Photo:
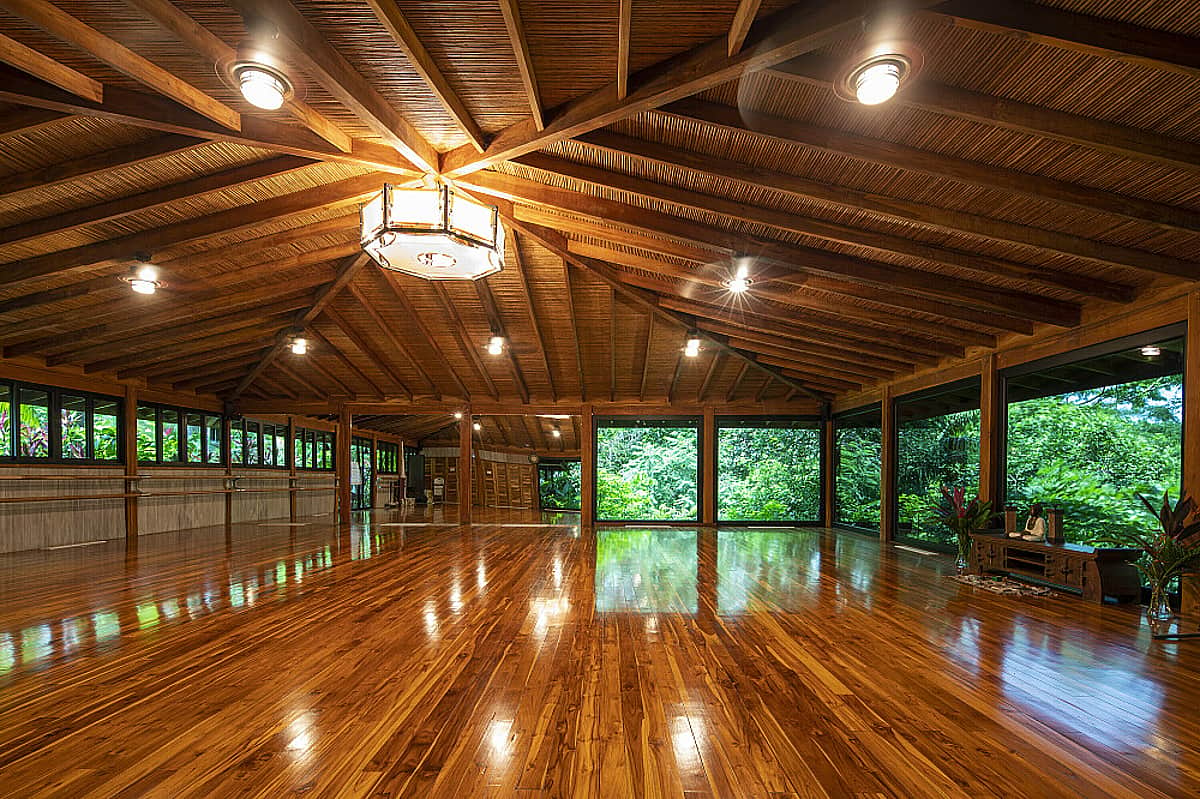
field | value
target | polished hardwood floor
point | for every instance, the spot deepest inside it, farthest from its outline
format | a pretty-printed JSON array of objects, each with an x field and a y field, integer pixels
[{"x": 540, "y": 660}]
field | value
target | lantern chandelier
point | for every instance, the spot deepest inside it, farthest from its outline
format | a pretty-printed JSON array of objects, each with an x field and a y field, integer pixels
[{"x": 433, "y": 232}]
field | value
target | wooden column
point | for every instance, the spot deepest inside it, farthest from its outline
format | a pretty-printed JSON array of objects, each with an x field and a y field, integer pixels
[
  {"x": 887, "y": 478},
  {"x": 291, "y": 465},
  {"x": 708, "y": 462},
  {"x": 342, "y": 464},
  {"x": 374, "y": 470},
  {"x": 227, "y": 462},
  {"x": 991, "y": 433},
  {"x": 129, "y": 444},
  {"x": 466, "y": 480},
  {"x": 1191, "y": 438},
  {"x": 587, "y": 458},
  {"x": 829, "y": 472}
]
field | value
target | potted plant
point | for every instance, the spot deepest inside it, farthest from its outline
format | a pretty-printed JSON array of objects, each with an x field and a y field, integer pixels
[
  {"x": 1171, "y": 553},
  {"x": 963, "y": 518}
]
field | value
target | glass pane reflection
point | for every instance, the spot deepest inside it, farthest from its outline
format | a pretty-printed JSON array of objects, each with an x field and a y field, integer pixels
[{"x": 646, "y": 571}]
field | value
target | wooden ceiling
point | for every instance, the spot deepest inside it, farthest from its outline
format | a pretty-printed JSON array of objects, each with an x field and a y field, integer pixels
[
  {"x": 1041, "y": 169},
  {"x": 522, "y": 433}
]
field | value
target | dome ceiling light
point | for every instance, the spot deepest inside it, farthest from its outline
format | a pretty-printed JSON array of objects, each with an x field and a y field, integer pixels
[
  {"x": 877, "y": 76},
  {"x": 258, "y": 72},
  {"x": 143, "y": 276},
  {"x": 433, "y": 232}
]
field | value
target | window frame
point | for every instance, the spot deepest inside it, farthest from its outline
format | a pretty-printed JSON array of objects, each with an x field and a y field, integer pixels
[
  {"x": 626, "y": 421},
  {"x": 312, "y": 439},
  {"x": 870, "y": 409},
  {"x": 54, "y": 395},
  {"x": 181, "y": 450}
]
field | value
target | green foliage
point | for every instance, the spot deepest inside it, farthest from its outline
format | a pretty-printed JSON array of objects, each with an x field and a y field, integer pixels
[
  {"x": 6, "y": 428},
  {"x": 35, "y": 431},
  {"x": 859, "y": 455},
  {"x": 646, "y": 473},
  {"x": 105, "y": 436},
  {"x": 943, "y": 450},
  {"x": 559, "y": 485},
  {"x": 769, "y": 474},
  {"x": 74, "y": 434},
  {"x": 646, "y": 570}
]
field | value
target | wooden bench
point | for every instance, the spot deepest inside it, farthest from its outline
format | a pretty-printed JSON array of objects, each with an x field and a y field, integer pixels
[{"x": 1096, "y": 572}]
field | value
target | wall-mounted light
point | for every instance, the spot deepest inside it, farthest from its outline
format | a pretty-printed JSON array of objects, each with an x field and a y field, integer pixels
[
  {"x": 495, "y": 345},
  {"x": 478, "y": 427},
  {"x": 143, "y": 276},
  {"x": 692, "y": 348}
]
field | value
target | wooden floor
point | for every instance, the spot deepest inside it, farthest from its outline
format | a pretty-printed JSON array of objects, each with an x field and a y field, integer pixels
[{"x": 533, "y": 661}]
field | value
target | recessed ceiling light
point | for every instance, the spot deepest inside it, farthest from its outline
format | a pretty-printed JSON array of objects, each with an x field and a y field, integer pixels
[
  {"x": 257, "y": 71},
  {"x": 458, "y": 414},
  {"x": 477, "y": 427},
  {"x": 299, "y": 345},
  {"x": 740, "y": 282},
  {"x": 878, "y": 75}
]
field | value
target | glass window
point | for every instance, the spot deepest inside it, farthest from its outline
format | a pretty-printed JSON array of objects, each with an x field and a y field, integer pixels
[
  {"x": 35, "y": 423},
  {"x": 326, "y": 451},
  {"x": 147, "y": 433},
  {"x": 213, "y": 424},
  {"x": 281, "y": 446},
  {"x": 237, "y": 441},
  {"x": 170, "y": 435},
  {"x": 106, "y": 434},
  {"x": 73, "y": 414},
  {"x": 647, "y": 469},
  {"x": 252, "y": 444},
  {"x": 768, "y": 470},
  {"x": 268, "y": 444},
  {"x": 560, "y": 485},
  {"x": 858, "y": 465},
  {"x": 937, "y": 445},
  {"x": 298, "y": 449},
  {"x": 1090, "y": 434},
  {"x": 6, "y": 420},
  {"x": 195, "y": 438}
]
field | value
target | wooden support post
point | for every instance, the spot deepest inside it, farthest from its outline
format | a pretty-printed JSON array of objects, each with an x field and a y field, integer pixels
[
  {"x": 1191, "y": 439},
  {"x": 291, "y": 465},
  {"x": 587, "y": 457},
  {"x": 708, "y": 461},
  {"x": 227, "y": 462},
  {"x": 991, "y": 432},
  {"x": 374, "y": 470},
  {"x": 887, "y": 477},
  {"x": 466, "y": 480},
  {"x": 341, "y": 462},
  {"x": 129, "y": 435},
  {"x": 829, "y": 477}
]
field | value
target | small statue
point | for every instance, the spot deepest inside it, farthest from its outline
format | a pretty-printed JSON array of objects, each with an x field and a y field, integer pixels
[{"x": 1035, "y": 528}]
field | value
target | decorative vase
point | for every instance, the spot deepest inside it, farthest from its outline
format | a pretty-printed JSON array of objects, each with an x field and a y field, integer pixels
[
  {"x": 1159, "y": 608},
  {"x": 963, "y": 562}
]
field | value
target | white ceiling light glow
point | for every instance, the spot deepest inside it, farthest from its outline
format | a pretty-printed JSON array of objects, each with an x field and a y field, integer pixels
[
  {"x": 257, "y": 71},
  {"x": 143, "y": 277},
  {"x": 299, "y": 346},
  {"x": 433, "y": 232},
  {"x": 740, "y": 282},
  {"x": 879, "y": 74},
  {"x": 495, "y": 345},
  {"x": 692, "y": 348}
]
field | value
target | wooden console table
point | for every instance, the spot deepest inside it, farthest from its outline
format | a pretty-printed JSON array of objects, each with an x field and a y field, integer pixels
[{"x": 1095, "y": 572}]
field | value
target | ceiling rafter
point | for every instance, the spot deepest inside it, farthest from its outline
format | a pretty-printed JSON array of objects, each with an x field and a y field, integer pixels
[
  {"x": 459, "y": 329},
  {"x": 61, "y": 25},
  {"x": 368, "y": 349},
  {"x": 25, "y": 120},
  {"x": 53, "y": 72},
  {"x": 327, "y": 347},
  {"x": 309, "y": 50},
  {"x": 714, "y": 364},
  {"x": 511, "y": 10},
  {"x": 573, "y": 318},
  {"x": 396, "y": 343},
  {"x": 743, "y": 18},
  {"x": 885, "y": 276},
  {"x": 393, "y": 20},
  {"x": 737, "y": 382},
  {"x": 974, "y": 173},
  {"x": 492, "y": 310},
  {"x": 646, "y": 357},
  {"x": 160, "y": 113},
  {"x": 183, "y": 351},
  {"x": 398, "y": 293},
  {"x": 894, "y": 207},
  {"x": 1002, "y": 112},
  {"x": 624, "y": 40},
  {"x": 539, "y": 338},
  {"x": 208, "y": 46}
]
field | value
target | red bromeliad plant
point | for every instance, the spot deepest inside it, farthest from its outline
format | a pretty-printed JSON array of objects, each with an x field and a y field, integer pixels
[
  {"x": 1171, "y": 552},
  {"x": 962, "y": 517}
]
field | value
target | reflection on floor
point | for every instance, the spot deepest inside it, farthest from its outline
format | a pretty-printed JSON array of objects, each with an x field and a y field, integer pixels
[{"x": 415, "y": 657}]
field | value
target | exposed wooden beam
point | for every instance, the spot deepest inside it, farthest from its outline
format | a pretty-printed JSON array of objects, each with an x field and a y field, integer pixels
[
  {"x": 624, "y": 38},
  {"x": 345, "y": 273},
  {"x": 98, "y": 164},
  {"x": 557, "y": 244},
  {"x": 1002, "y": 112},
  {"x": 887, "y": 277},
  {"x": 783, "y": 256},
  {"x": 927, "y": 162},
  {"x": 518, "y": 266},
  {"x": 646, "y": 357},
  {"x": 743, "y": 18},
  {"x": 402, "y": 33},
  {"x": 569, "y": 299},
  {"x": 179, "y": 352},
  {"x": 172, "y": 19},
  {"x": 784, "y": 35},
  {"x": 492, "y": 310},
  {"x": 61, "y": 25},
  {"x": 154, "y": 198},
  {"x": 398, "y": 292},
  {"x": 842, "y": 354},
  {"x": 516, "y": 35},
  {"x": 459, "y": 329},
  {"x": 314, "y": 364},
  {"x": 718, "y": 358},
  {"x": 737, "y": 382},
  {"x": 849, "y": 369},
  {"x": 612, "y": 345},
  {"x": 333, "y": 195},
  {"x": 29, "y": 60},
  {"x": 327, "y": 347},
  {"x": 314, "y": 55},
  {"x": 1080, "y": 33},
  {"x": 366, "y": 348},
  {"x": 174, "y": 365},
  {"x": 159, "y": 113},
  {"x": 894, "y": 207},
  {"x": 394, "y": 341},
  {"x": 679, "y": 359}
]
